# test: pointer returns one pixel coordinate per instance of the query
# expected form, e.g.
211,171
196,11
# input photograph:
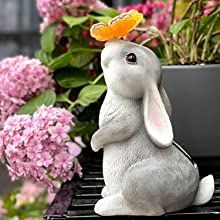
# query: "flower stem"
172,21
188,8
70,108
206,44
97,79
195,26
148,40
156,31
173,11
214,51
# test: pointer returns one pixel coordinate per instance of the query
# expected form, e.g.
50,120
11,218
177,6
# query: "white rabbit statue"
145,172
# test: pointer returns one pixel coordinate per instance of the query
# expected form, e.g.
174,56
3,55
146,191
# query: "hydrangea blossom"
21,79
53,10
39,148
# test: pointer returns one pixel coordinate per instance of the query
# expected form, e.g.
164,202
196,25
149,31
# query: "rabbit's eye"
131,58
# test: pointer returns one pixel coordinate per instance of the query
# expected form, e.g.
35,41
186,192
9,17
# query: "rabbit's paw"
95,146
113,205
105,192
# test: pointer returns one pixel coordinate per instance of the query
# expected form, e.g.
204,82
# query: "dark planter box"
194,92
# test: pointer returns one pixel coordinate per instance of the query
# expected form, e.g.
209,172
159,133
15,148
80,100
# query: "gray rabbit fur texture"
144,173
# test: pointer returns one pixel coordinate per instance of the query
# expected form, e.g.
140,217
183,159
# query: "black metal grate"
84,194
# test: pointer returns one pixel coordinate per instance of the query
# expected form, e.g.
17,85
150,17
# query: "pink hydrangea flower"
38,147
73,148
53,10
21,79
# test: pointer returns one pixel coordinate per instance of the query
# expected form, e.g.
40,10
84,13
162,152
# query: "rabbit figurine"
145,172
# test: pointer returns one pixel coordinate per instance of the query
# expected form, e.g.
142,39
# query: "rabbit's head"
134,72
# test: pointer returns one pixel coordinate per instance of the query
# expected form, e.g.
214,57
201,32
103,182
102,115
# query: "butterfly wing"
124,23
101,32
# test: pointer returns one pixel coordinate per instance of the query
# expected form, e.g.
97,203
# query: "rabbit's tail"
205,191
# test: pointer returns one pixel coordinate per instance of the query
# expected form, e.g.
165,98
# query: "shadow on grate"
87,191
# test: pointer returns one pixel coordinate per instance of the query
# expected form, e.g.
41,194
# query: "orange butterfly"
118,27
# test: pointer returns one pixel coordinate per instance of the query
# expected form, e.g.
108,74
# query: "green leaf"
81,59
61,61
177,27
80,43
46,98
71,77
104,19
74,32
64,97
48,39
83,128
111,12
216,38
90,94
43,57
205,22
73,21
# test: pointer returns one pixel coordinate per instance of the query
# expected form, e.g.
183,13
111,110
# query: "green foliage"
81,59
43,57
83,129
73,21
74,32
71,77
101,18
111,12
204,24
60,61
64,97
177,27
46,98
48,39
193,39
90,94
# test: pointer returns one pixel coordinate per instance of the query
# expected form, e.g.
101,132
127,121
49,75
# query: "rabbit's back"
163,177
161,183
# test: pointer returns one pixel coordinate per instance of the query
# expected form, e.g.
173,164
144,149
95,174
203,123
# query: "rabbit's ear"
166,101
156,119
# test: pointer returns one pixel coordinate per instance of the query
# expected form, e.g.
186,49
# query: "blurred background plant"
193,35
42,144
27,202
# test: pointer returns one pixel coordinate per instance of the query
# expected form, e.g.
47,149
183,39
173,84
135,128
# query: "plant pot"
194,92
